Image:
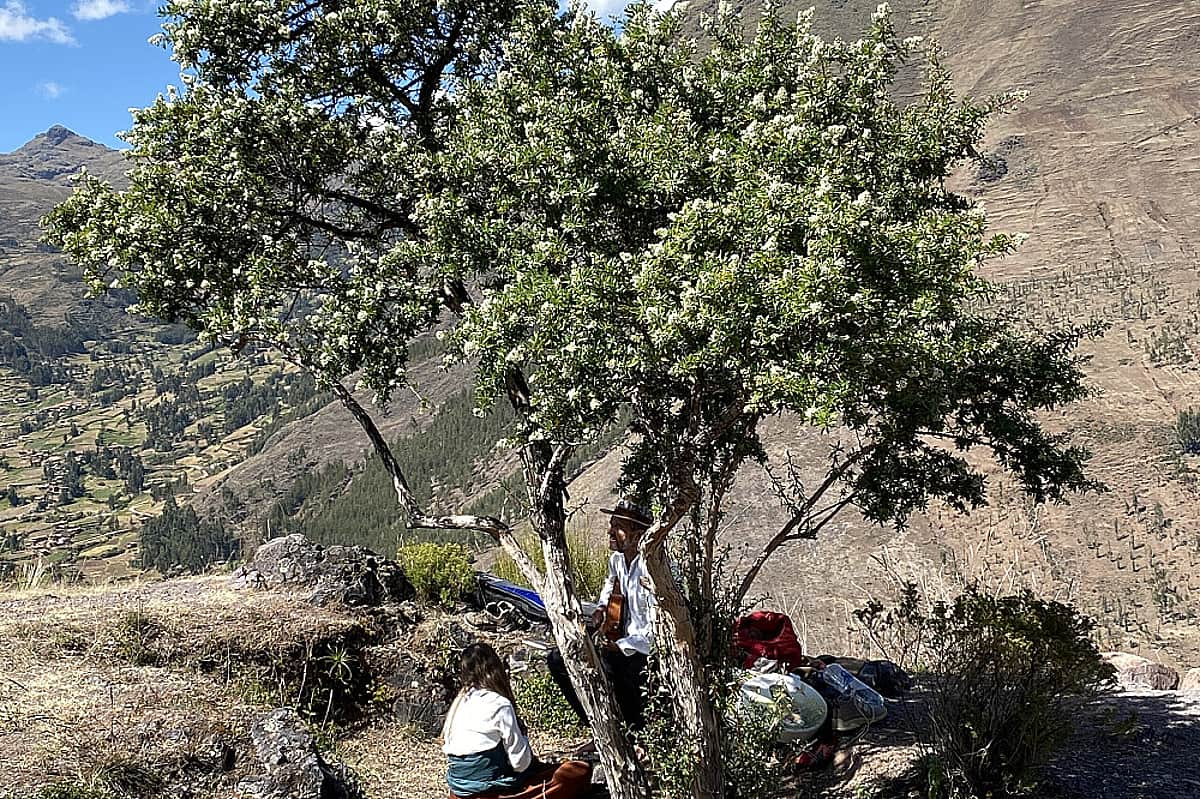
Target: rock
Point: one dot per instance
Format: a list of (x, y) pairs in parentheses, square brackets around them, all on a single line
[(349, 575), (411, 612), (294, 768), (1190, 680), (1135, 671)]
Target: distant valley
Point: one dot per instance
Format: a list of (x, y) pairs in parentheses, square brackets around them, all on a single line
[(1100, 166)]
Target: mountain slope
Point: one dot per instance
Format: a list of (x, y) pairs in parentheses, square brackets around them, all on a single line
[(34, 178), (1099, 166)]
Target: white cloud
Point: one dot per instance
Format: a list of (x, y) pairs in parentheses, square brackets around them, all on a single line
[(605, 9), (17, 25), (51, 90), (98, 9)]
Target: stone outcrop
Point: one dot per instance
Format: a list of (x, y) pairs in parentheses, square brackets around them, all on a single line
[(293, 769), (349, 575), (1190, 681), (1135, 671)]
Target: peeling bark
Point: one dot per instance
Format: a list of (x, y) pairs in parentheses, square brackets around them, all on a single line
[(625, 777), (681, 667), (680, 664)]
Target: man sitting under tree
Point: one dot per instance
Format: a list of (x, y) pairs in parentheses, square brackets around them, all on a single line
[(625, 649)]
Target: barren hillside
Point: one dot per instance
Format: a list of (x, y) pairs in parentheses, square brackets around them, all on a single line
[(1099, 166)]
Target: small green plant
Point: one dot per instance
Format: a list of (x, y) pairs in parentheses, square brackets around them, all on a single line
[(589, 562), (339, 673), (1187, 430), (751, 757), (543, 706), (750, 754), (439, 573), (670, 761)]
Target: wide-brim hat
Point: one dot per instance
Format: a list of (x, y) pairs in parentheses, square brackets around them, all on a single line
[(631, 511)]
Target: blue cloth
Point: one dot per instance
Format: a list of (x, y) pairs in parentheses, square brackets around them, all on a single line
[(468, 775)]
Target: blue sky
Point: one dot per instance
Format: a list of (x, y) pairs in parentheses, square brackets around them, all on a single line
[(85, 63), (78, 63)]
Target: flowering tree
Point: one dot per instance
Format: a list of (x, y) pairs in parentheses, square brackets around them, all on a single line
[(703, 236)]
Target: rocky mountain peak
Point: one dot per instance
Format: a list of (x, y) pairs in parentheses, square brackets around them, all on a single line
[(56, 136), (56, 154)]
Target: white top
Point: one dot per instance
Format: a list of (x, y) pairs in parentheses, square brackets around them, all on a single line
[(479, 720), (639, 602)]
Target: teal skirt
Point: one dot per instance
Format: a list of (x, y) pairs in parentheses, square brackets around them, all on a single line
[(468, 775)]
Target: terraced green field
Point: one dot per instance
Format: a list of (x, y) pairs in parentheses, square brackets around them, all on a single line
[(93, 535)]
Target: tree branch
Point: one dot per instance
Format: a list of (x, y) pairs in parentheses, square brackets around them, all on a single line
[(656, 534), (418, 518), (803, 519), (554, 469)]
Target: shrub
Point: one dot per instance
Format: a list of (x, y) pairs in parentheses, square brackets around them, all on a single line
[(543, 705), (440, 573), (751, 757), (134, 635), (1005, 675), (1187, 428), (753, 762), (589, 562)]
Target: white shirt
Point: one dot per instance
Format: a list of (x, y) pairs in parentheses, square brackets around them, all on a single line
[(479, 720), (639, 602)]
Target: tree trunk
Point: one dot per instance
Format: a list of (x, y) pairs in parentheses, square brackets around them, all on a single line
[(624, 775), (680, 667)]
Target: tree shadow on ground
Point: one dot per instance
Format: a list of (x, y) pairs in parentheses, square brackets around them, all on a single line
[(1133, 745), (1126, 745)]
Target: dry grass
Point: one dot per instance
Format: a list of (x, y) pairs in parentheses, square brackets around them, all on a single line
[(78, 705)]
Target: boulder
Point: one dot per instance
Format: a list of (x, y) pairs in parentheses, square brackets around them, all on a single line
[(349, 575), (1190, 681), (1134, 671), (293, 767)]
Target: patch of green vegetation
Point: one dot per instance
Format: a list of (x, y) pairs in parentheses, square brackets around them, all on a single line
[(543, 705), (1187, 431), (440, 573), (58, 557), (103, 551), (589, 562)]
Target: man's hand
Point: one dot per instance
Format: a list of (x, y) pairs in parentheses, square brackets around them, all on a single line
[(597, 617)]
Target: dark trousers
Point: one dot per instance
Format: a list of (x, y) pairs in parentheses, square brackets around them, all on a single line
[(627, 673)]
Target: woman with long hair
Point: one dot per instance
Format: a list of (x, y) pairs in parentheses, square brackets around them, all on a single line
[(487, 750)]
